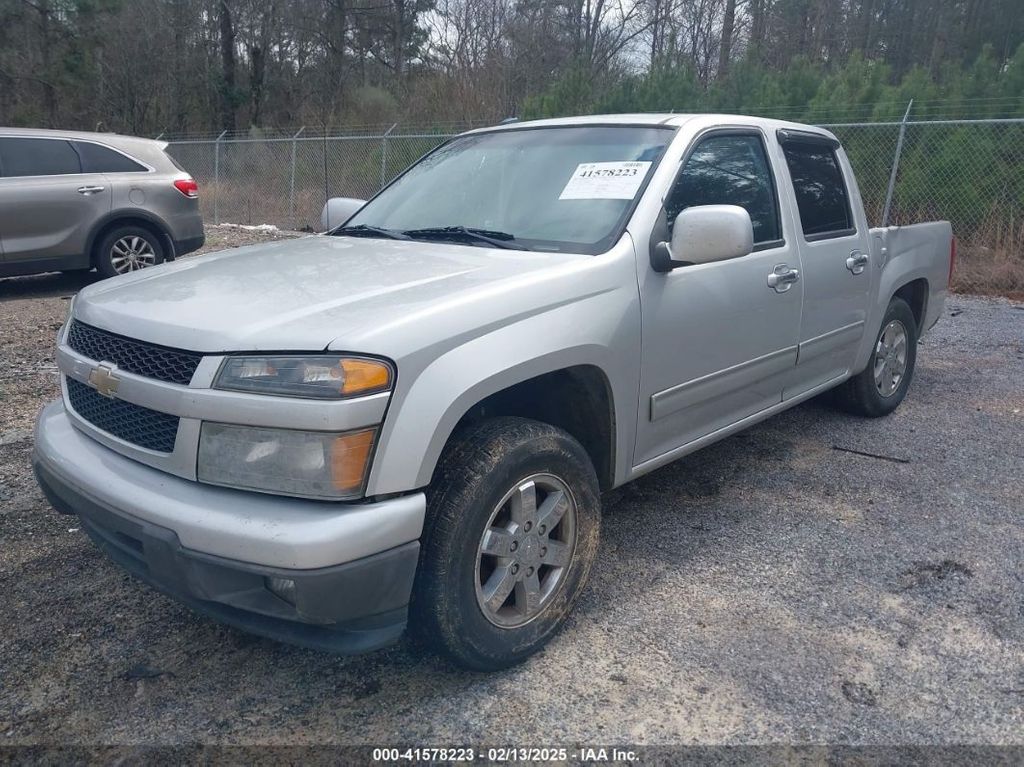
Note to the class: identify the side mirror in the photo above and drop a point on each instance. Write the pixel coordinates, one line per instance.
(703, 234)
(338, 210)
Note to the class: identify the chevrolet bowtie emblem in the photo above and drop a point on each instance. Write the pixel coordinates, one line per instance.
(103, 380)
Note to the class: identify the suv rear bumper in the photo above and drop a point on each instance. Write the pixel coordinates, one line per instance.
(348, 605)
(181, 247)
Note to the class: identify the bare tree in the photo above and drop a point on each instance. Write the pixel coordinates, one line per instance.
(156, 65)
(227, 58)
(725, 47)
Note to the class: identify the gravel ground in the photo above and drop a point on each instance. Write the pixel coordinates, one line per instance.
(774, 588)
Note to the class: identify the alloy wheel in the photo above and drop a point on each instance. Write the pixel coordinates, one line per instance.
(890, 363)
(131, 253)
(525, 551)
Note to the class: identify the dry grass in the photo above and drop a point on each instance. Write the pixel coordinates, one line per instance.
(990, 260)
(988, 274)
(253, 203)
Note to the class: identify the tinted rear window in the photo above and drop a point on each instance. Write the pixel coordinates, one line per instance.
(820, 189)
(100, 159)
(37, 157)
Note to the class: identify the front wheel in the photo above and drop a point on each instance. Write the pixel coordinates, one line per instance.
(512, 528)
(127, 249)
(882, 385)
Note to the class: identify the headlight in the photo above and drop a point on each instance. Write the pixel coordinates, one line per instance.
(300, 463)
(323, 376)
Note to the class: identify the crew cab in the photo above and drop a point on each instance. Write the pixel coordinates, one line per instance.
(409, 420)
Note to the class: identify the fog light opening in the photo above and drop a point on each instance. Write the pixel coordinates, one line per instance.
(282, 588)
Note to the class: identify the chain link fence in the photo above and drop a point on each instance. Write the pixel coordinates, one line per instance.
(285, 181)
(970, 172)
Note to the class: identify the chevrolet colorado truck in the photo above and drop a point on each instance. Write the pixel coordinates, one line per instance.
(410, 419)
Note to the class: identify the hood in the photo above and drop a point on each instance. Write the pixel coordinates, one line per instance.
(295, 295)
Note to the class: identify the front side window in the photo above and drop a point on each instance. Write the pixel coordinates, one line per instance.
(566, 189)
(820, 189)
(729, 170)
(37, 157)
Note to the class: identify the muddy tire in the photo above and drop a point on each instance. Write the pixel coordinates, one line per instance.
(881, 386)
(127, 249)
(513, 520)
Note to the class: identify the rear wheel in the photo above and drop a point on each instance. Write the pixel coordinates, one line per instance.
(512, 528)
(882, 385)
(128, 249)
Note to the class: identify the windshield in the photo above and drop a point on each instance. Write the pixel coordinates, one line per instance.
(557, 189)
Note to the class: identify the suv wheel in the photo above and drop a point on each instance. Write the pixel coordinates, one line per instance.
(128, 249)
(512, 528)
(881, 386)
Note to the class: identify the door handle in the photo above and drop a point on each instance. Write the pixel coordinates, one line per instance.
(90, 189)
(857, 262)
(782, 278)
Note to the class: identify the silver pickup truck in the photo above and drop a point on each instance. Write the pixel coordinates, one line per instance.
(411, 418)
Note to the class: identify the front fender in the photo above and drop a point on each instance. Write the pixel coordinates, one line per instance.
(602, 330)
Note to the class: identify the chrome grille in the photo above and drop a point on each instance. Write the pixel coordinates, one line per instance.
(144, 359)
(139, 425)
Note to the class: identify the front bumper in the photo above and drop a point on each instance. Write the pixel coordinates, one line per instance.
(215, 549)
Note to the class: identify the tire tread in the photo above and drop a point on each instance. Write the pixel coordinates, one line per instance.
(857, 395)
(471, 456)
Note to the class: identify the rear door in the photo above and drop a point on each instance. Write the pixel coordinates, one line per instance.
(834, 253)
(127, 178)
(47, 204)
(719, 339)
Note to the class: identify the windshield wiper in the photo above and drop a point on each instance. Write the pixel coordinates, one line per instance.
(363, 230)
(494, 239)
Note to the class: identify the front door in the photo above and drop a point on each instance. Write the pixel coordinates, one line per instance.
(47, 205)
(835, 253)
(719, 339)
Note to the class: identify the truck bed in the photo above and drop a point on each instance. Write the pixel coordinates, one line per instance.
(915, 252)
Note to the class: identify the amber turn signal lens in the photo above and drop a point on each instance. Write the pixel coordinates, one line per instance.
(350, 455)
(364, 376)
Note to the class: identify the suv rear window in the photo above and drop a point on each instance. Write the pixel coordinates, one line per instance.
(100, 159)
(37, 157)
(820, 190)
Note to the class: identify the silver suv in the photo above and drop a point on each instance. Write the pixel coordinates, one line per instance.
(82, 200)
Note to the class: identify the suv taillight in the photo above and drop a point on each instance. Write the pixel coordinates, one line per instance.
(188, 187)
(952, 260)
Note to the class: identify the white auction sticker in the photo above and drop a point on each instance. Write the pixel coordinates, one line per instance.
(605, 181)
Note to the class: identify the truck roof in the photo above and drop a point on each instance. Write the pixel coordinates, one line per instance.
(672, 119)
